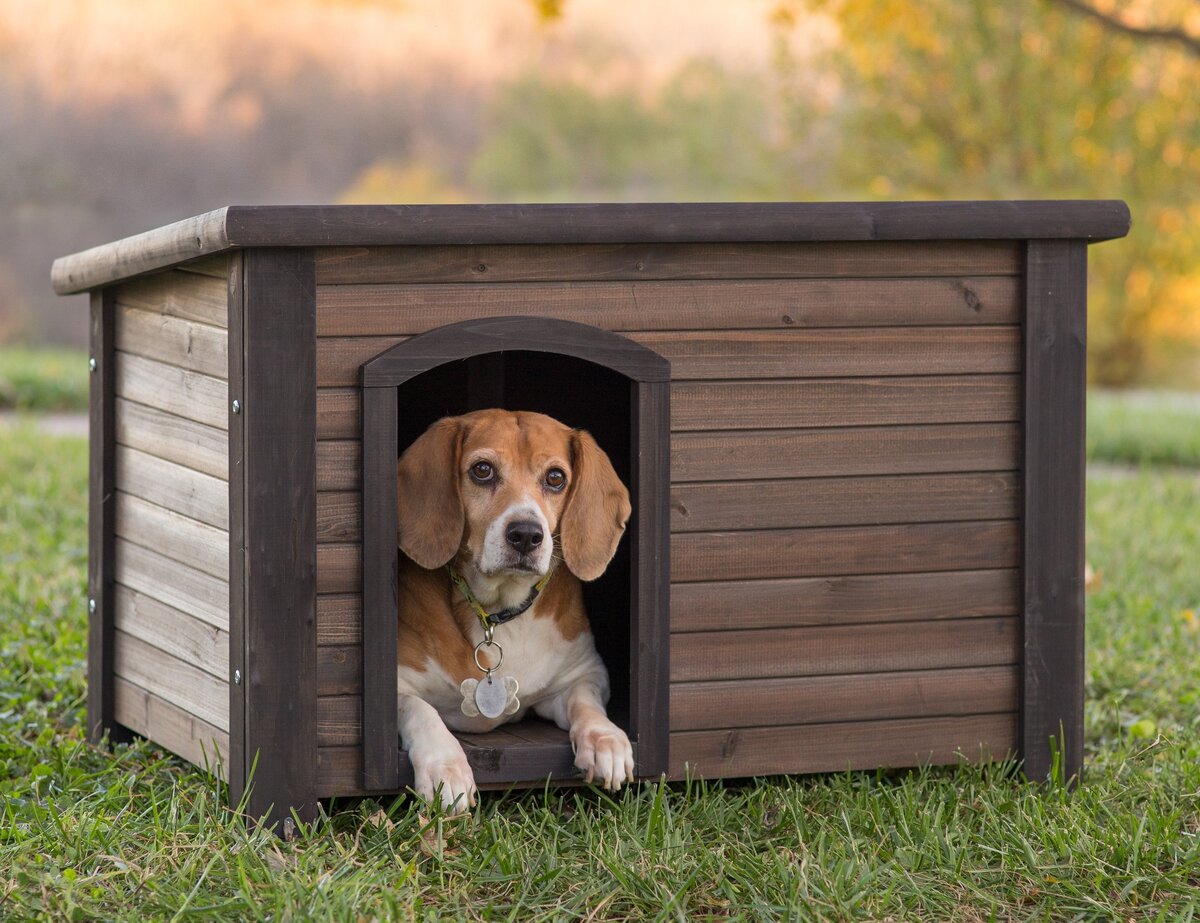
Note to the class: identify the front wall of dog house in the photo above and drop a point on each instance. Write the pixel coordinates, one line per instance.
(845, 488)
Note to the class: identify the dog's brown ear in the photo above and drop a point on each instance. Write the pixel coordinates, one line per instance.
(597, 510)
(429, 513)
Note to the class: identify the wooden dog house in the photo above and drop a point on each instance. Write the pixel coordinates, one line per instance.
(863, 480)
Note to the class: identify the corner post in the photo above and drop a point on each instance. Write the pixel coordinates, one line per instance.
(273, 590)
(1055, 330)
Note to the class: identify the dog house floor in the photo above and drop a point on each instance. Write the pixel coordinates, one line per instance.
(523, 752)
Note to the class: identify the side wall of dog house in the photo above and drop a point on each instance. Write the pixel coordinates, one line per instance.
(170, 512)
(845, 482)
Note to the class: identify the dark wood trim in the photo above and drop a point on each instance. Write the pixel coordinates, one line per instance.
(726, 222)
(236, 770)
(278, 422)
(102, 493)
(1055, 368)
(380, 562)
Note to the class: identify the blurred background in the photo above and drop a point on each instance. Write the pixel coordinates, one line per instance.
(121, 115)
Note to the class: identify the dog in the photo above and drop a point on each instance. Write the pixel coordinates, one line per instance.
(497, 510)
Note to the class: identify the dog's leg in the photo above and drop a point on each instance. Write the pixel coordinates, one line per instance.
(439, 764)
(602, 750)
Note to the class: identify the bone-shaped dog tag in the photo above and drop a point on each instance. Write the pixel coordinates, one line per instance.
(490, 697)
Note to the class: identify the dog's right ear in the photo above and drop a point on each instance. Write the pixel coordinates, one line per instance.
(429, 513)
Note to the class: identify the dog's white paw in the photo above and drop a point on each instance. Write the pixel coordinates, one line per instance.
(449, 781)
(603, 753)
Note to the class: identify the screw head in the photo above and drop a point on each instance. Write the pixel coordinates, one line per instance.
(92, 364)
(92, 606)
(237, 406)
(237, 677)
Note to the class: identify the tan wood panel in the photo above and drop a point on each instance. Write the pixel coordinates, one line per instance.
(738, 456)
(339, 772)
(215, 266)
(182, 587)
(339, 721)
(339, 413)
(339, 670)
(339, 465)
(199, 545)
(833, 551)
(844, 402)
(782, 353)
(176, 293)
(172, 679)
(339, 516)
(173, 631)
(813, 601)
(174, 487)
(185, 442)
(400, 310)
(187, 344)
(699, 507)
(186, 394)
(339, 619)
(170, 726)
(513, 263)
(823, 699)
(838, 747)
(339, 568)
(879, 648)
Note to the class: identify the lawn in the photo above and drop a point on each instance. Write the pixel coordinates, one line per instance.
(136, 834)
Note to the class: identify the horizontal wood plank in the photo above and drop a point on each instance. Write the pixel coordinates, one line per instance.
(339, 516)
(174, 680)
(177, 537)
(813, 601)
(216, 267)
(339, 721)
(825, 699)
(633, 262)
(844, 649)
(171, 727)
(833, 551)
(339, 413)
(339, 670)
(183, 343)
(712, 506)
(404, 310)
(173, 487)
(186, 394)
(737, 456)
(176, 293)
(173, 438)
(182, 587)
(339, 619)
(179, 634)
(842, 746)
(339, 464)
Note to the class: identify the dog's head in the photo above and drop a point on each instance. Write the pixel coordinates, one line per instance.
(499, 486)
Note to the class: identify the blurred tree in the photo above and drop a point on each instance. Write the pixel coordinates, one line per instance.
(977, 99)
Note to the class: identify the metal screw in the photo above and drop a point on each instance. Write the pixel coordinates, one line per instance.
(237, 677)
(92, 606)
(237, 406)
(92, 364)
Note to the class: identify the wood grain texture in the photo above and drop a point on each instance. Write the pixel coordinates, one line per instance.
(1055, 357)
(172, 438)
(827, 699)
(339, 413)
(174, 680)
(183, 343)
(340, 670)
(174, 487)
(200, 546)
(339, 721)
(238, 775)
(814, 601)
(179, 634)
(713, 506)
(829, 552)
(398, 310)
(339, 465)
(339, 516)
(838, 747)
(737, 456)
(172, 727)
(198, 594)
(178, 391)
(339, 568)
(878, 648)
(339, 619)
(180, 294)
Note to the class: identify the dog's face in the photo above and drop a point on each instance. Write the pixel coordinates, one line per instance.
(498, 487)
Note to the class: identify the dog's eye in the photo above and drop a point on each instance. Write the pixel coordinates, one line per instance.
(482, 472)
(555, 478)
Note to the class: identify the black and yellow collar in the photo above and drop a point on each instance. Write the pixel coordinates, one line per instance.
(492, 619)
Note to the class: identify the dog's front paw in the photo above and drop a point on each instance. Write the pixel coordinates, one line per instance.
(447, 780)
(603, 752)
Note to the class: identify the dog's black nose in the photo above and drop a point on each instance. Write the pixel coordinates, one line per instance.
(524, 535)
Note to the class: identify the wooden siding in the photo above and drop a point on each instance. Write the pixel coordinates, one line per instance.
(171, 511)
(845, 457)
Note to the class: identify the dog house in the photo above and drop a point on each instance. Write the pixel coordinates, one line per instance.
(853, 435)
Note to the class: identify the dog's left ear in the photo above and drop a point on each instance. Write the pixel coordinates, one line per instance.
(596, 512)
(429, 513)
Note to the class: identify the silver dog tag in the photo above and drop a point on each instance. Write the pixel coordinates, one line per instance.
(490, 697)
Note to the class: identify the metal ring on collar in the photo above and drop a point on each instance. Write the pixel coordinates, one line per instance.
(488, 642)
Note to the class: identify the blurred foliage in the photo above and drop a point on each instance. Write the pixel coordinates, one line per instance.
(43, 379)
(1025, 99)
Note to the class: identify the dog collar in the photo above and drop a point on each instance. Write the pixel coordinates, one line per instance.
(490, 620)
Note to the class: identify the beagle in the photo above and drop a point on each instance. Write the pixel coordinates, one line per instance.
(501, 515)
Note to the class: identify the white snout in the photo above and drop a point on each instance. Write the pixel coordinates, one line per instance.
(500, 556)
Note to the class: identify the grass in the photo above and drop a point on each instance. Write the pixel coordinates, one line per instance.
(136, 834)
(43, 379)
(1144, 427)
